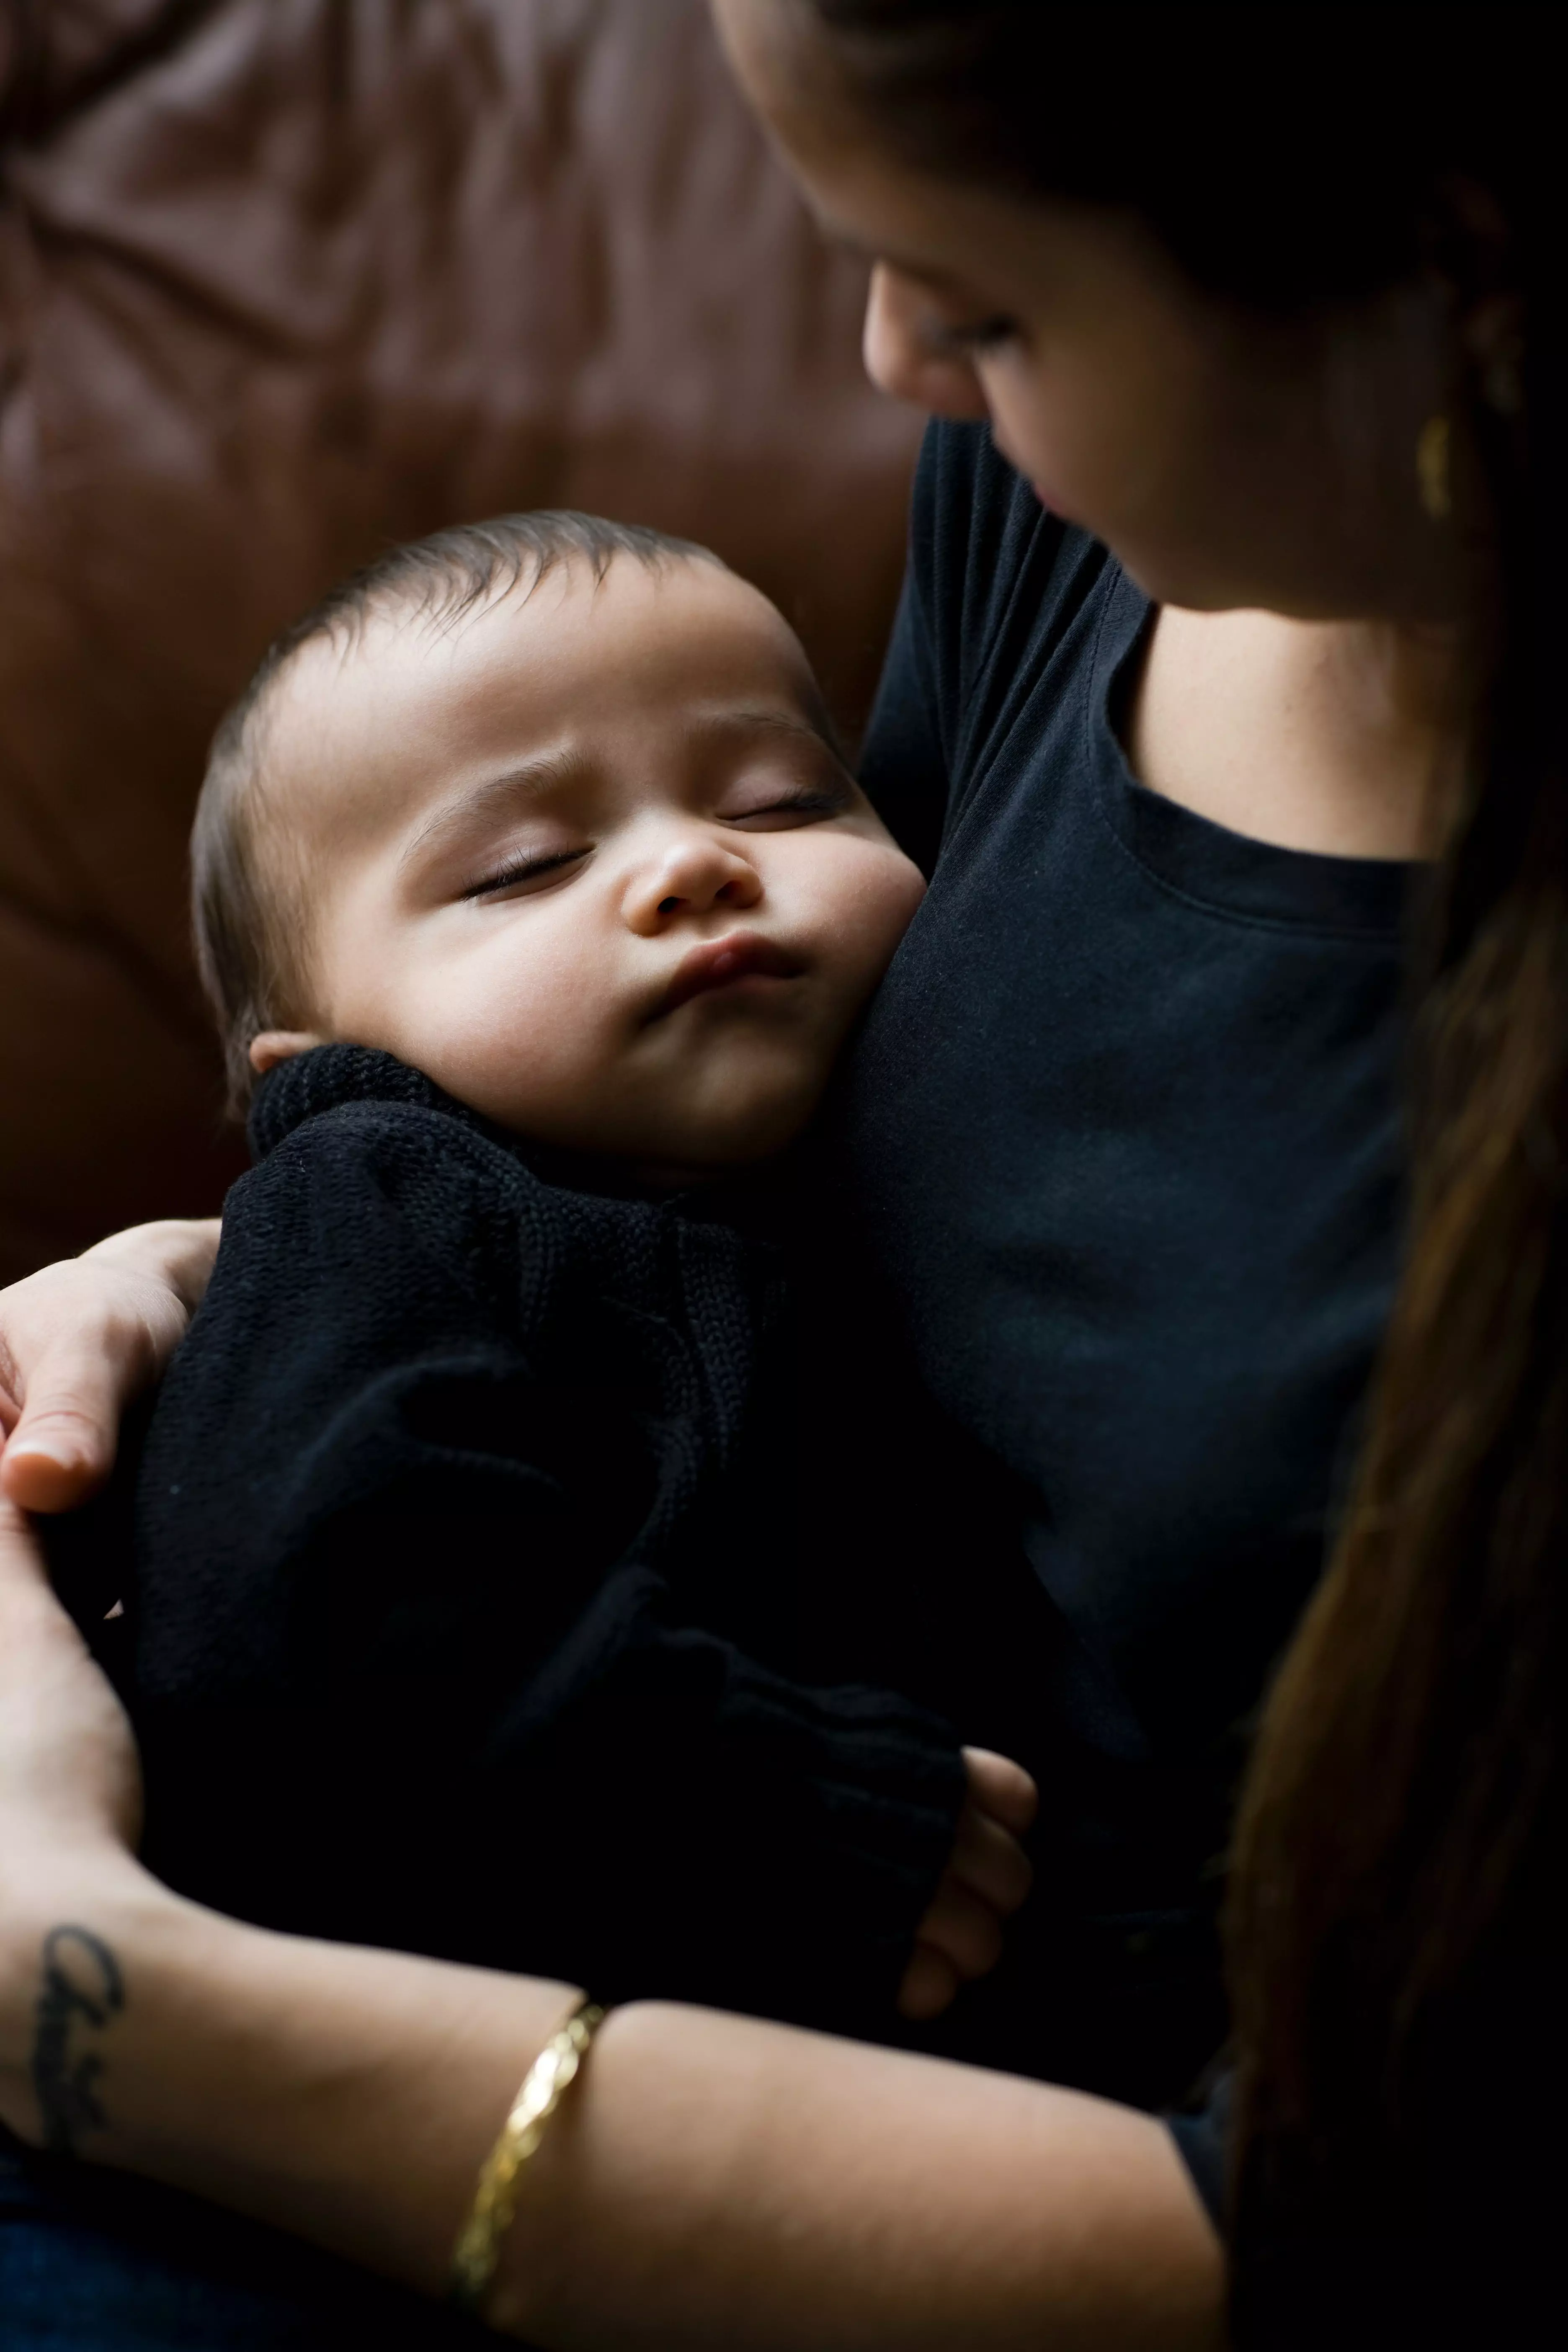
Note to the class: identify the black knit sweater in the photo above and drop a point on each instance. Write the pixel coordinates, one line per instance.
(463, 1528)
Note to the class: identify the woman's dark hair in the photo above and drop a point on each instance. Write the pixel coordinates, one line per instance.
(1400, 1836)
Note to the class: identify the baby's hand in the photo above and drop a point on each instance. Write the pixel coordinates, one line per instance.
(986, 1878)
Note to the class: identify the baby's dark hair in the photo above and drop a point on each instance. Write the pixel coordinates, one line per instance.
(248, 909)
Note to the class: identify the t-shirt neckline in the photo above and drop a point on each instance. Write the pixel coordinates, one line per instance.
(1229, 873)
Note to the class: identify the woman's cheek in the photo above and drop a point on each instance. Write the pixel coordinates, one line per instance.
(1079, 464)
(1091, 433)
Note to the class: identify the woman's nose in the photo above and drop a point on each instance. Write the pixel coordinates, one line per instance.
(900, 356)
(690, 877)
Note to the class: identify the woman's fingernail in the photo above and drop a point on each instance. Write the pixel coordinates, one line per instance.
(39, 1480)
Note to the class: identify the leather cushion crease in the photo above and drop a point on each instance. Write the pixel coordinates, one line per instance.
(284, 282)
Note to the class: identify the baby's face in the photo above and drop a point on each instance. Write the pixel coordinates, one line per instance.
(586, 860)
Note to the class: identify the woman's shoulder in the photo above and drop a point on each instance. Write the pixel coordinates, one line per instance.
(995, 582)
(993, 588)
(985, 553)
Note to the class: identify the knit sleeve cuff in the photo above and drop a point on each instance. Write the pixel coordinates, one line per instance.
(864, 1793)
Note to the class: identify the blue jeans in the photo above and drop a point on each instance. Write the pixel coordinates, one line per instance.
(93, 2261)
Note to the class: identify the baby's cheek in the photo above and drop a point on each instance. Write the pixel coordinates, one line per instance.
(512, 1045)
(526, 1058)
(891, 890)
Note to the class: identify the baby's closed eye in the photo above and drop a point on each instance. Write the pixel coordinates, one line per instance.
(764, 807)
(518, 873)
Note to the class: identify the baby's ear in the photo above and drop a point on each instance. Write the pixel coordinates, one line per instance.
(275, 1045)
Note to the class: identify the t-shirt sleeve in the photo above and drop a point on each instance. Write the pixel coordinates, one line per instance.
(990, 581)
(1203, 2140)
(906, 766)
(903, 769)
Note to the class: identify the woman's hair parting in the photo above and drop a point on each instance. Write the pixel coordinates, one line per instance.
(247, 892)
(1401, 1834)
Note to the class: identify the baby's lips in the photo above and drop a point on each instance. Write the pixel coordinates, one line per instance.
(715, 963)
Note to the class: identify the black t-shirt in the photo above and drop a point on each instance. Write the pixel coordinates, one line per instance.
(1123, 1131)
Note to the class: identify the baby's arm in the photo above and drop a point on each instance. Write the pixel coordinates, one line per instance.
(395, 1632)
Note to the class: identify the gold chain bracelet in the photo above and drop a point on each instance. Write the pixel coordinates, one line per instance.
(544, 2087)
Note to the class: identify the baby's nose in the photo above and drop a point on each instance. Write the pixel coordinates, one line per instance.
(690, 877)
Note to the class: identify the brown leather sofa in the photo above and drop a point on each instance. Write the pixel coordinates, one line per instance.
(282, 281)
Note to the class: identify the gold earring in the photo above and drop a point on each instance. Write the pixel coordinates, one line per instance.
(1432, 468)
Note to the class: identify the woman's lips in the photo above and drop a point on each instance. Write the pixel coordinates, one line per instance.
(743, 955)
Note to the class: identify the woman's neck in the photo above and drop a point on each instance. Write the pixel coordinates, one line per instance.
(1338, 737)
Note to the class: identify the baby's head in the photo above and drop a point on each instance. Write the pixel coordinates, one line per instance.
(549, 808)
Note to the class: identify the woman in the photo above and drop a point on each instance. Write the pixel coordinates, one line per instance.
(1300, 371)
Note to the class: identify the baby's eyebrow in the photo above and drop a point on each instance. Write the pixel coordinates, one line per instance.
(471, 808)
(745, 722)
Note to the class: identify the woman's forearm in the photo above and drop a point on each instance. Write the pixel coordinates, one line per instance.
(728, 2184)
(343, 2094)
(711, 2180)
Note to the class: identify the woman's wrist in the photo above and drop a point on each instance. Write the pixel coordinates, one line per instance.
(347, 2096)
(66, 1915)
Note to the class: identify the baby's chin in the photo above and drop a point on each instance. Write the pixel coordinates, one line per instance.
(656, 1134)
(673, 1155)
(668, 1162)
(747, 1135)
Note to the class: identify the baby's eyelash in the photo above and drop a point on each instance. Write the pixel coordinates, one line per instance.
(828, 802)
(525, 869)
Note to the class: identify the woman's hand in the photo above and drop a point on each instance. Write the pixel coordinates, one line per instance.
(78, 1341)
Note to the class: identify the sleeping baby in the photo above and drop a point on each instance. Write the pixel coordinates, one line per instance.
(536, 904)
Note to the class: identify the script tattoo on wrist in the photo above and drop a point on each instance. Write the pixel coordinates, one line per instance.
(82, 1992)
